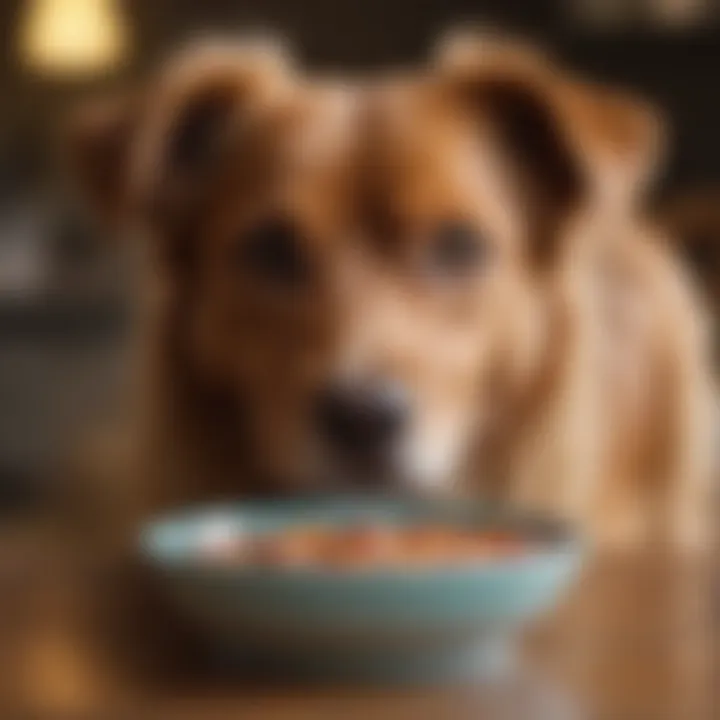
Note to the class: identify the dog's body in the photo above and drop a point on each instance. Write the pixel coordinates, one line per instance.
(437, 280)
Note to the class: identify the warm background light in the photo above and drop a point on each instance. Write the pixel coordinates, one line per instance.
(73, 37)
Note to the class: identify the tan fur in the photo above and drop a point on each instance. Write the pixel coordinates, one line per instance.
(569, 375)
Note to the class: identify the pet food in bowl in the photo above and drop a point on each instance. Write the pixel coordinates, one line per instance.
(368, 546)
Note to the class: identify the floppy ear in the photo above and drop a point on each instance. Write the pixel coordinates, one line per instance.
(570, 143)
(155, 150)
(98, 141)
(622, 137)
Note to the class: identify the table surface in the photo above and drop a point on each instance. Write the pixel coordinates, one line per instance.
(638, 639)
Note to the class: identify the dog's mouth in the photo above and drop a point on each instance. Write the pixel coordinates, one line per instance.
(367, 475)
(370, 474)
(357, 439)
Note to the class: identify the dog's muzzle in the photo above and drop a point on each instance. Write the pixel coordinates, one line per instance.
(362, 424)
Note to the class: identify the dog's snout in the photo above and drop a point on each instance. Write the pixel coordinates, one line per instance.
(363, 421)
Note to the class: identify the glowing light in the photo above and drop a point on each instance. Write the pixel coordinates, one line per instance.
(73, 37)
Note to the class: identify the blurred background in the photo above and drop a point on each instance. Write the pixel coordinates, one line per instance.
(61, 285)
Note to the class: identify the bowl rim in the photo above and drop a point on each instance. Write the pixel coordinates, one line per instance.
(560, 542)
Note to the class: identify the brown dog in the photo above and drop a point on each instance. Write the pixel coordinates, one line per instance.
(434, 280)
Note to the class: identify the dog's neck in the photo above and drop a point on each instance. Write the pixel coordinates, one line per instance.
(518, 404)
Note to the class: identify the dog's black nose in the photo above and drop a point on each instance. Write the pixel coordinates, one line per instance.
(363, 421)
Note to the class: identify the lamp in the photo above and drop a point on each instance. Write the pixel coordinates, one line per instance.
(73, 37)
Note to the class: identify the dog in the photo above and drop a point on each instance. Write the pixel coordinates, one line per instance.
(435, 281)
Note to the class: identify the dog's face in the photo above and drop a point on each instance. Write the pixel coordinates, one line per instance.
(360, 299)
(362, 267)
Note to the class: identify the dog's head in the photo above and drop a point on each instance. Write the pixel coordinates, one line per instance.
(363, 266)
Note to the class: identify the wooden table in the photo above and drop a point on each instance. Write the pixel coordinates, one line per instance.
(639, 639)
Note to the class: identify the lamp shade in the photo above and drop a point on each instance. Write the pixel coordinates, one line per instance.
(73, 37)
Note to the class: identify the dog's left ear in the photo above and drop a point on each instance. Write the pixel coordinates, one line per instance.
(155, 151)
(98, 138)
(573, 141)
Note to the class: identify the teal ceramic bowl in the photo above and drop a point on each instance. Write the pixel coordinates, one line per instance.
(404, 624)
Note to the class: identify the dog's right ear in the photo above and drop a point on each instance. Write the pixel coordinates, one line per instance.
(571, 145)
(152, 150)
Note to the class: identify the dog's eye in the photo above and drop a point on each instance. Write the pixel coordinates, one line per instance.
(272, 250)
(456, 248)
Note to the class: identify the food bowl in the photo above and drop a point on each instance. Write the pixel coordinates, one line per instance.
(416, 622)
